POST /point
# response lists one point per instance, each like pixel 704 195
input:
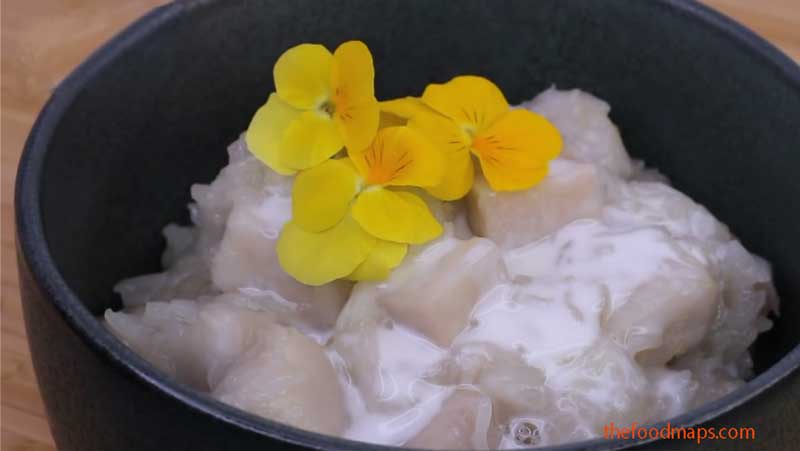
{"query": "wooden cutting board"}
pixel 42 41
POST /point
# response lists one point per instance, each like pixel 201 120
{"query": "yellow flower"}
pixel 322 102
pixel 469 115
pixel 352 217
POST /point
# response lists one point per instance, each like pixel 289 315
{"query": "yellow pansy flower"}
pixel 322 102
pixel 353 218
pixel 470 116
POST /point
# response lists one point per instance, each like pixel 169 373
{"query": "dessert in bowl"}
pixel 445 271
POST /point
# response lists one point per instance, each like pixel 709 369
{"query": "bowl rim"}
pixel 34 251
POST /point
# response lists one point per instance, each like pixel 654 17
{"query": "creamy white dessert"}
pixel 601 294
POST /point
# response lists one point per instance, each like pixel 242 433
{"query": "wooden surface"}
pixel 41 41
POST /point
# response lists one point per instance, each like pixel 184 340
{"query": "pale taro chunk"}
pixel 435 290
pixel 748 295
pixel 243 356
pixel 668 314
pixel 286 377
pixel 570 191
pixel 591 387
pixel 589 135
pixel 513 385
pixel 247 262
pixel 386 361
pixel 464 422
pixel 391 333
pixel 192 341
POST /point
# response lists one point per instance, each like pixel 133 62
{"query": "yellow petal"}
pixel 309 140
pixel 266 130
pixel 405 107
pixel 514 151
pixel 385 256
pixel 355 109
pixel 399 156
pixel 319 258
pixel 353 74
pixel 357 123
pixel 321 195
pixel 457 180
pixel 454 144
pixel 398 111
pixel 472 102
pixel 303 76
pixel 395 216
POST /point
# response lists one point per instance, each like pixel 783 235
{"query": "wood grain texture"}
pixel 42 41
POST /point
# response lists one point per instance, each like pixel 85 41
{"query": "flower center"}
pixel 379 175
pixel 328 107
pixel 384 166
pixel 469 130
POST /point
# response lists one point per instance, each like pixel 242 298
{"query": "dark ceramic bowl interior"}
pixel 111 159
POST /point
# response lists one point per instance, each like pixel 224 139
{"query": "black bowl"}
pixel 112 155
